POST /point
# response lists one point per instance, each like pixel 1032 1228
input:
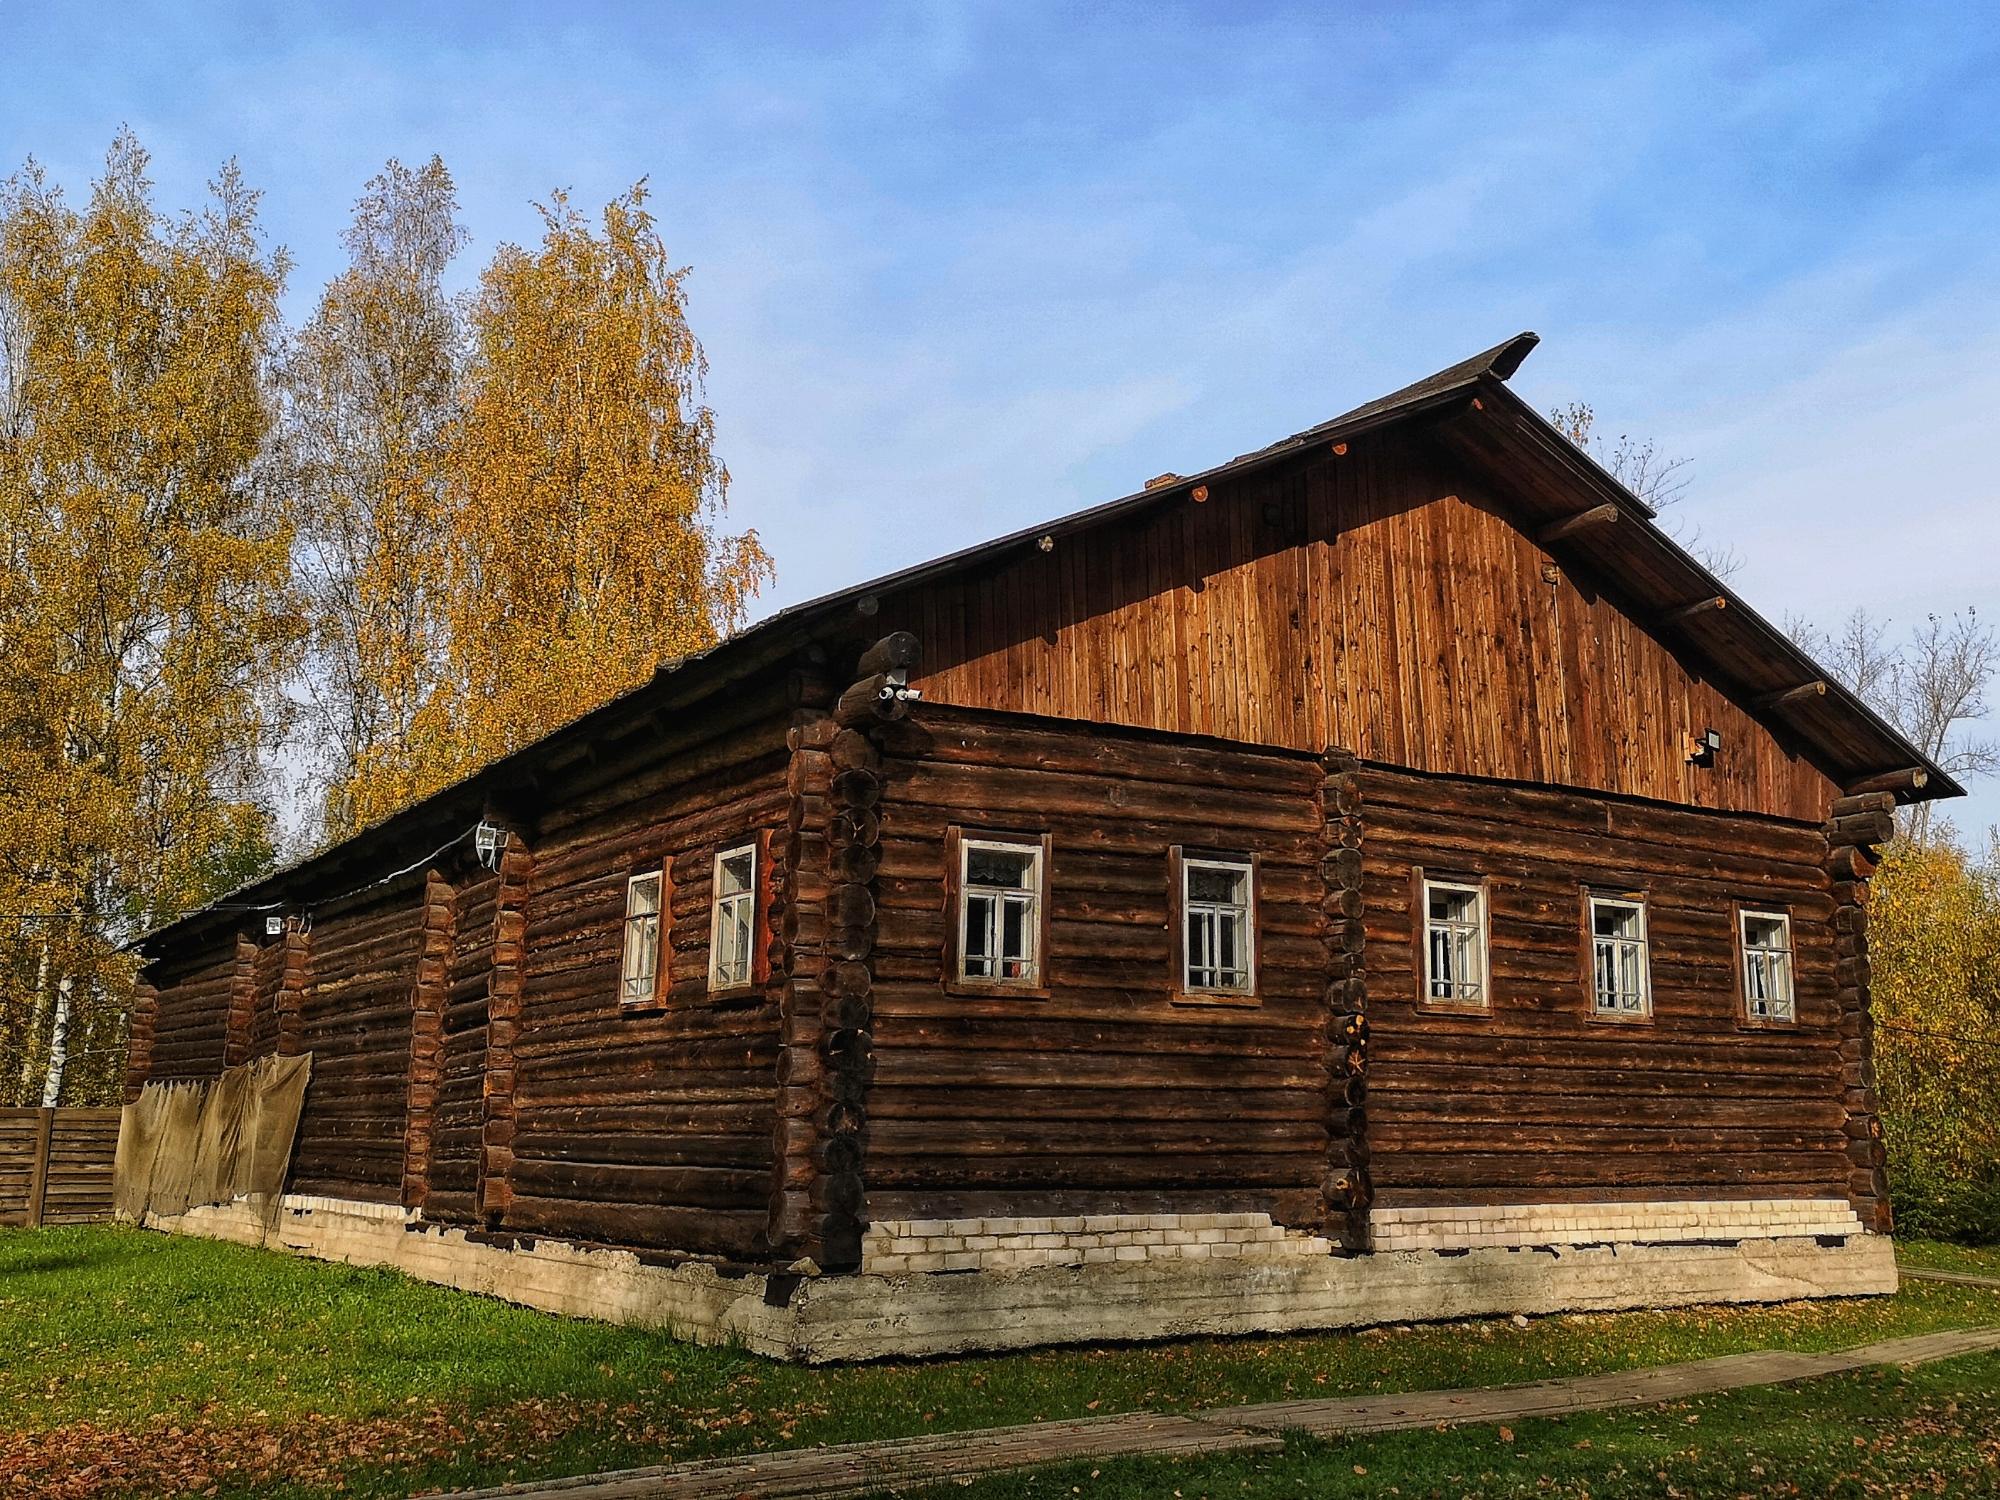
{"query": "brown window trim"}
pixel 1587 954
pixel 663 958
pixel 759 840
pixel 1744 1020
pixel 1420 955
pixel 1177 991
pixel 954 840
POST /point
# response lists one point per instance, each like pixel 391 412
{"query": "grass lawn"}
pixel 141 1363
pixel 1931 1255
pixel 1927 1430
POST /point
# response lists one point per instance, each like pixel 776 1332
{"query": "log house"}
pixel 1381 876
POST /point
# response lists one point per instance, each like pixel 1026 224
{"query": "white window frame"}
pixel 1031 896
pixel 650 945
pixel 1218 911
pixel 724 908
pixel 1640 945
pixel 1480 984
pixel 1750 960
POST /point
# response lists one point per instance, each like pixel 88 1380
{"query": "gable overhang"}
pixel 1576 508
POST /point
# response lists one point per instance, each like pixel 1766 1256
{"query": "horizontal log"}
pixel 899 651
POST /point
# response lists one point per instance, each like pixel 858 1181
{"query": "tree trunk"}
pixel 52 1081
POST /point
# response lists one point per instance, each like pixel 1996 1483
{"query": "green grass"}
pixel 112 1340
pixel 1931 1429
pixel 1936 1256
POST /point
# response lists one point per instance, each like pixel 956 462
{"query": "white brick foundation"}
pixel 1663 1223
pixel 896 1247
pixel 1147 1289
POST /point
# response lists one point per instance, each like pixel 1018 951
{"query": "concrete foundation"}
pixel 871 1316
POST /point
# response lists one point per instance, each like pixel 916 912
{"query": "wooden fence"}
pixel 55 1165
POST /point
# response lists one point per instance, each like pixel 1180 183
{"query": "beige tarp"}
pixel 181 1144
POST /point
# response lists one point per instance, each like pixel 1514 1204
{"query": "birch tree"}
pixel 586 494
pixel 145 618
pixel 370 387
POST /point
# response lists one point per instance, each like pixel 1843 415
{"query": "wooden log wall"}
pixel 1538 1101
pixel 1856 826
pixel 646 1125
pixel 139 1039
pixel 1347 1186
pixel 188 1029
pixel 356 1021
pixel 1382 599
pixel 1105 1095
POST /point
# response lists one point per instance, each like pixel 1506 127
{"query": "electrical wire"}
pixel 267 906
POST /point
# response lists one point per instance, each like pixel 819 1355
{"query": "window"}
pixel 1620 984
pixel 639 979
pixel 733 928
pixel 1767 966
pixel 1218 927
pixel 1454 943
pixel 999 912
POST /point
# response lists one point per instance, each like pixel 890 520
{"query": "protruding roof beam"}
pixel 1805 692
pixel 1903 783
pixel 1700 609
pixel 1583 520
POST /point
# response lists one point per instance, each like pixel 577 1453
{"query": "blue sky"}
pixel 961 268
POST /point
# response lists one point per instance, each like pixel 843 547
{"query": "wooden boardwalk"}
pixel 903 1463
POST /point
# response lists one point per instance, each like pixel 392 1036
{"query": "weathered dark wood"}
pixel 1583 520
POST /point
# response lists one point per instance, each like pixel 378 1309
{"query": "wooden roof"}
pixel 1573 505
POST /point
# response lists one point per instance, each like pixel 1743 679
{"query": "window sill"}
pixel 1228 999
pixel 1464 1010
pixel 1766 1023
pixel 973 988
pixel 1617 1018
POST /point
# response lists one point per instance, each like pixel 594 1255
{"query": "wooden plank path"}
pixel 903 1463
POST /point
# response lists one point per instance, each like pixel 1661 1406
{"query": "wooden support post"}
pixel 503 1030
pixel 801 930
pixel 827 1053
pixel 1346 1189
pixel 1852 828
pixel 242 1011
pixel 292 986
pixel 38 1167
pixel 427 1005
pixel 1583 520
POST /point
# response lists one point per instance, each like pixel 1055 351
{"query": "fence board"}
pixel 55 1165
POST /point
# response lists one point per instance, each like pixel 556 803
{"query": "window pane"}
pixel 642 895
pixel 1453 906
pixel 735 871
pixel 1003 869
pixel 1609 919
pixel 982 959
pixel 1223 887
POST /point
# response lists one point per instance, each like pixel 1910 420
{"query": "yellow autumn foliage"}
pixel 1934 948
pixel 145 613
pixel 581 494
